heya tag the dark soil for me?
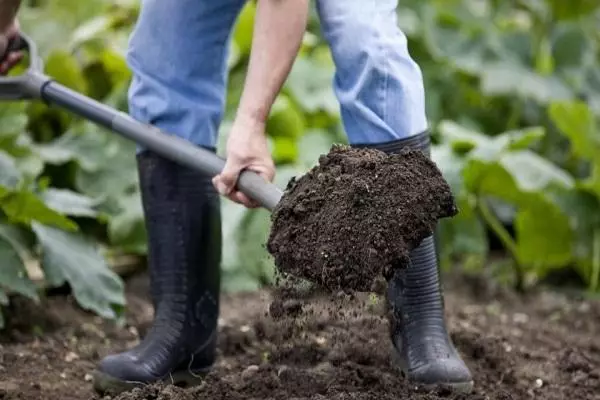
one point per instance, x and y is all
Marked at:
(542, 346)
(355, 216)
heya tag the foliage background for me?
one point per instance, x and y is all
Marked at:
(513, 98)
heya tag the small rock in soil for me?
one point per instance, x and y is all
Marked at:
(357, 215)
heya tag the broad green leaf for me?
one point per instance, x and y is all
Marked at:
(451, 165)
(285, 119)
(21, 239)
(285, 150)
(571, 47)
(9, 174)
(502, 79)
(573, 8)
(544, 236)
(70, 257)
(26, 159)
(461, 138)
(81, 144)
(533, 173)
(311, 86)
(464, 139)
(65, 69)
(68, 202)
(463, 234)
(521, 139)
(312, 145)
(13, 119)
(244, 28)
(583, 211)
(22, 206)
(251, 236)
(576, 121)
(90, 30)
(13, 275)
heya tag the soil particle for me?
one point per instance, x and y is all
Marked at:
(525, 348)
(356, 216)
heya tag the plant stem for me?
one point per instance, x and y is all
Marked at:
(509, 243)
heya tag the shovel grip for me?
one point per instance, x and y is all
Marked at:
(15, 44)
(29, 84)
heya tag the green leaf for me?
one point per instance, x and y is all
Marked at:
(576, 121)
(9, 174)
(69, 257)
(544, 236)
(251, 236)
(68, 202)
(22, 239)
(310, 85)
(23, 206)
(583, 211)
(506, 79)
(465, 233)
(533, 173)
(285, 150)
(65, 69)
(13, 275)
(13, 119)
(244, 28)
(451, 164)
(285, 119)
(312, 145)
(566, 10)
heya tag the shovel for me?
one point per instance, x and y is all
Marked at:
(34, 85)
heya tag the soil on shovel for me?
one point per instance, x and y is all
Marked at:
(545, 345)
(355, 216)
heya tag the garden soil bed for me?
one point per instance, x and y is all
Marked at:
(545, 346)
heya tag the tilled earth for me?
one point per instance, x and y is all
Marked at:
(543, 346)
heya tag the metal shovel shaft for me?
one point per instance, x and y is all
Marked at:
(33, 84)
(152, 138)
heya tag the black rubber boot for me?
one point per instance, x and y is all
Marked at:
(423, 349)
(183, 221)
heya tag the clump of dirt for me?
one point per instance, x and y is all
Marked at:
(357, 215)
(542, 346)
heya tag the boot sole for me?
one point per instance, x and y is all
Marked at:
(108, 384)
(453, 387)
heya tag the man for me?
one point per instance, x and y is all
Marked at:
(178, 53)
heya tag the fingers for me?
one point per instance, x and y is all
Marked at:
(226, 180)
(12, 58)
(10, 61)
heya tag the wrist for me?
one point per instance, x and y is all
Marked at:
(252, 117)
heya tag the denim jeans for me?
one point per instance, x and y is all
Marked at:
(178, 53)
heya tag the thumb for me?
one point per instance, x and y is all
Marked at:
(225, 182)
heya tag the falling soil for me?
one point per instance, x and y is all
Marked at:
(545, 345)
(355, 216)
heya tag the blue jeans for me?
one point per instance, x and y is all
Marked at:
(178, 53)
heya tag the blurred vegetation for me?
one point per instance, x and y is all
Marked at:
(513, 98)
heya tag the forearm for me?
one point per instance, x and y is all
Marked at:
(8, 11)
(279, 29)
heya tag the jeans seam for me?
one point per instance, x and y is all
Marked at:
(382, 60)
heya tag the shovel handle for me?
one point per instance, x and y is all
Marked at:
(14, 45)
(33, 84)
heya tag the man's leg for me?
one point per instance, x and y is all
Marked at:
(381, 92)
(177, 53)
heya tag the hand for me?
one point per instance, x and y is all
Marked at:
(247, 148)
(13, 58)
